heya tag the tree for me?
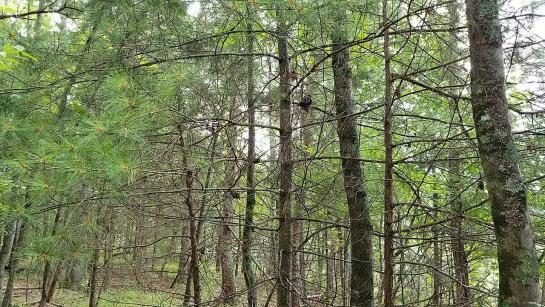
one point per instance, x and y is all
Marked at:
(249, 276)
(518, 268)
(388, 279)
(286, 167)
(361, 230)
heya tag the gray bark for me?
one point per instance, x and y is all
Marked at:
(226, 235)
(518, 266)
(286, 169)
(388, 280)
(249, 276)
(361, 231)
(5, 251)
(13, 261)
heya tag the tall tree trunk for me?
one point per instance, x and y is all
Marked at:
(47, 266)
(329, 274)
(93, 279)
(13, 261)
(297, 263)
(462, 295)
(226, 235)
(286, 168)
(187, 180)
(437, 297)
(361, 231)
(194, 267)
(5, 251)
(53, 283)
(39, 18)
(249, 276)
(388, 279)
(182, 259)
(517, 262)
(542, 292)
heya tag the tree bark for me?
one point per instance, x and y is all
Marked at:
(388, 280)
(5, 251)
(182, 258)
(53, 284)
(226, 235)
(517, 262)
(542, 292)
(193, 240)
(13, 261)
(93, 279)
(297, 238)
(188, 179)
(462, 296)
(47, 266)
(361, 231)
(286, 168)
(249, 276)
(437, 298)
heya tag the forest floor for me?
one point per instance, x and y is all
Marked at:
(120, 292)
(112, 297)
(129, 286)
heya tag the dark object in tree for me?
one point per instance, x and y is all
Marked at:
(305, 102)
(292, 76)
(480, 185)
(234, 194)
(189, 176)
(397, 93)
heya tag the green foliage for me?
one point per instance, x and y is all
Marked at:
(12, 55)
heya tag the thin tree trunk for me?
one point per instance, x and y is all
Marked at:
(388, 279)
(182, 259)
(188, 179)
(13, 261)
(296, 265)
(93, 280)
(295, 262)
(543, 292)
(39, 18)
(193, 239)
(462, 295)
(249, 276)
(53, 283)
(329, 254)
(187, 290)
(517, 262)
(286, 168)
(5, 251)
(361, 232)
(47, 266)
(437, 297)
(226, 235)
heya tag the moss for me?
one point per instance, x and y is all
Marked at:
(511, 153)
(529, 270)
(487, 18)
(487, 9)
(515, 186)
(486, 139)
